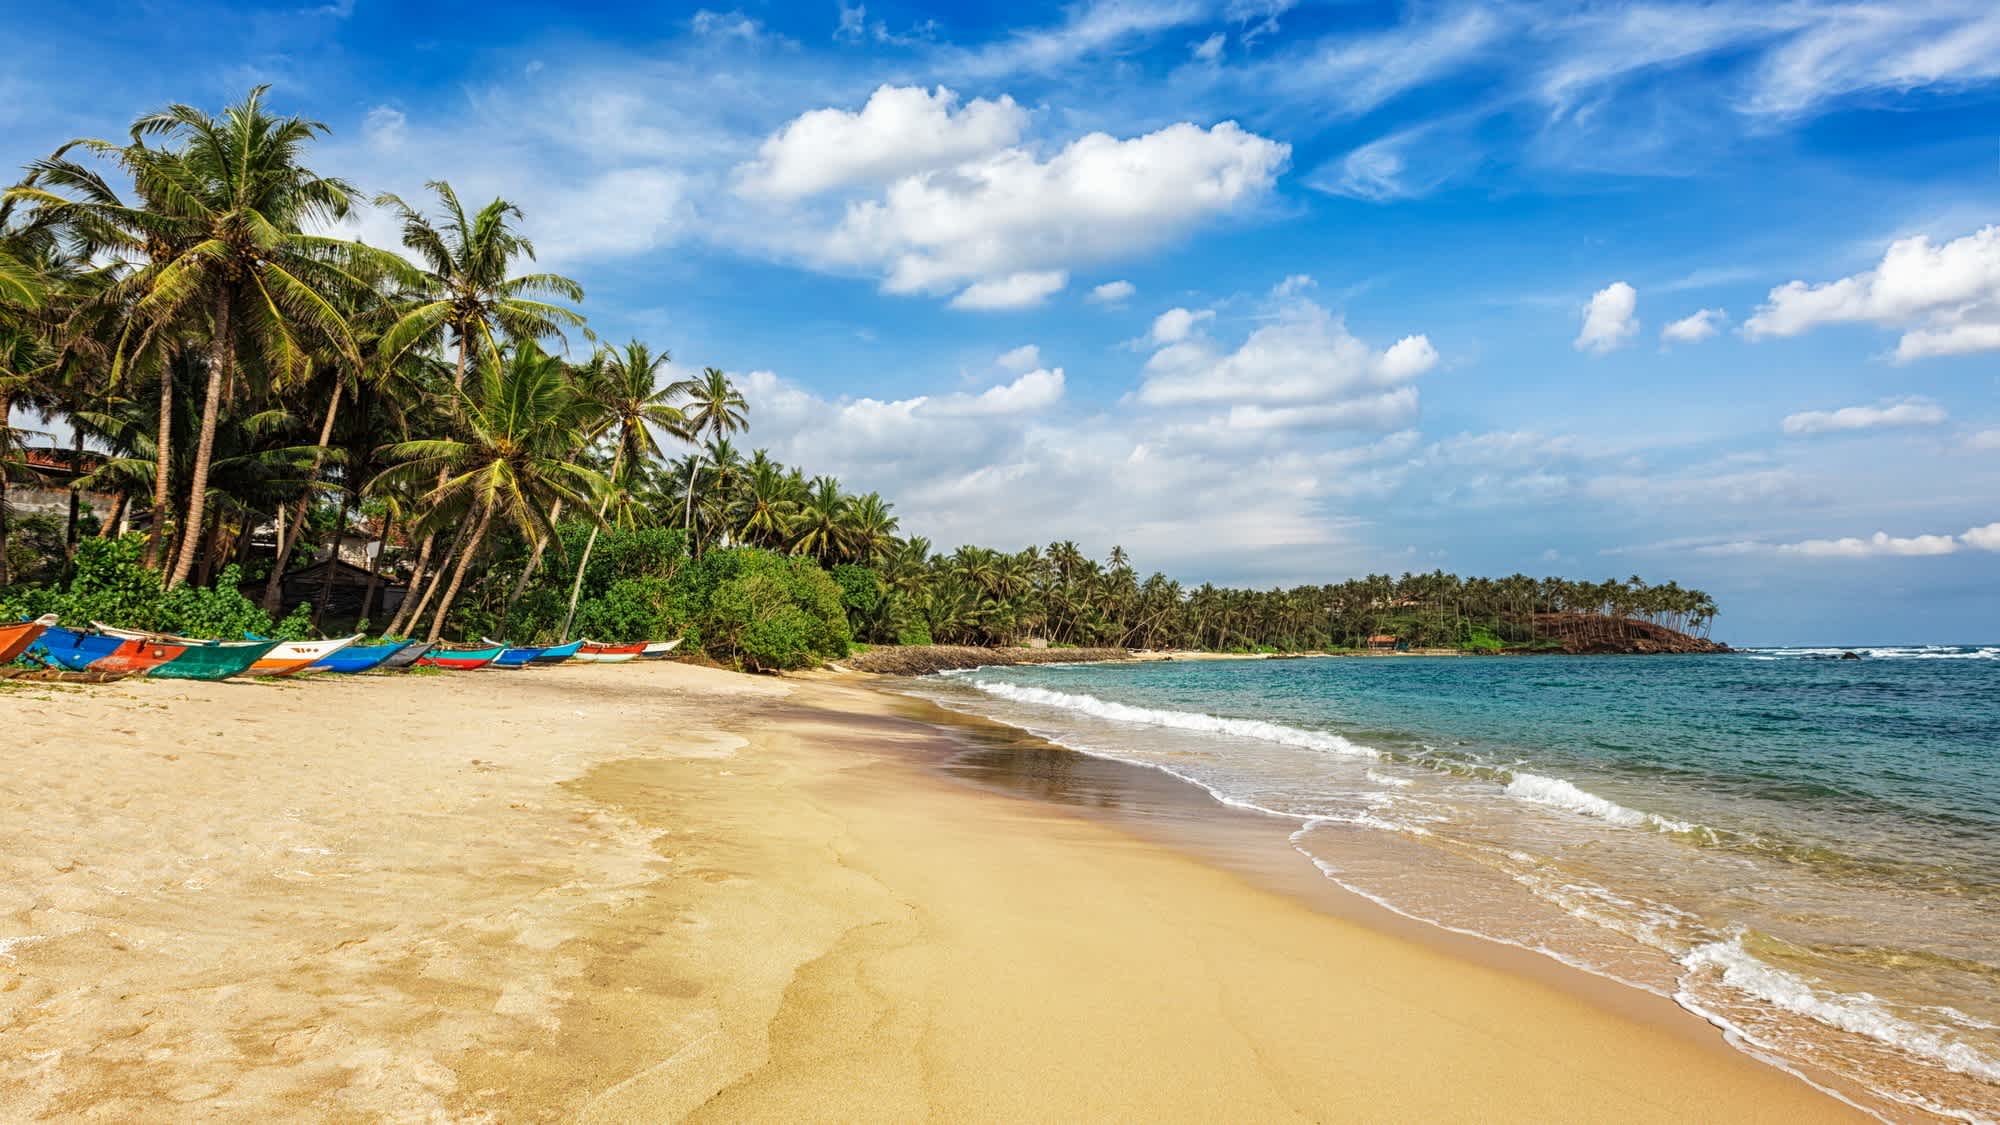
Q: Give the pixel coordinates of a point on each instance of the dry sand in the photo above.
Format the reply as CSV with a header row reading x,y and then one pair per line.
x,y
649,893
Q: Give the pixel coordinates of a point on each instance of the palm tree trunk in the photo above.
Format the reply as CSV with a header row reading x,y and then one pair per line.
x,y
332,562
687,521
211,409
437,575
576,587
416,582
534,564
113,522
298,523
375,570
75,493
458,572
163,447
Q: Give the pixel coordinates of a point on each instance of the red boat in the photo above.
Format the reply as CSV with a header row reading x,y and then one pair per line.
x,y
594,652
15,639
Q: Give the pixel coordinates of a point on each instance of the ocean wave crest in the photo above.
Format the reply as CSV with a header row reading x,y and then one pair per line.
x,y
1857,1013
1555,792
1258,729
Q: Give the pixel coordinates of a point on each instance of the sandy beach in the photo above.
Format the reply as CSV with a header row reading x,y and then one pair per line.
x,y
657,893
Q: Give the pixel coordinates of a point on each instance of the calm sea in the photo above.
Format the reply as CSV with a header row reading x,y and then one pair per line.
x,y
1802,849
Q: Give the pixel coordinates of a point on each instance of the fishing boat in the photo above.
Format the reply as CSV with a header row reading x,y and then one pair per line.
x,y
358,658
460,659
659,650
516,656
556,654
76,650
15,639
199,660
595,652
404,657
292,657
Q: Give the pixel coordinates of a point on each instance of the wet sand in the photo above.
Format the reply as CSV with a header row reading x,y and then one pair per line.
x,y
655,893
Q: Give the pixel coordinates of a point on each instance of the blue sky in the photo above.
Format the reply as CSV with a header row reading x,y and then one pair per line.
x,y
1266,292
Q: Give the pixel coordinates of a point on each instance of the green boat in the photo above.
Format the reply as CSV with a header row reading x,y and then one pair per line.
x,y
214,660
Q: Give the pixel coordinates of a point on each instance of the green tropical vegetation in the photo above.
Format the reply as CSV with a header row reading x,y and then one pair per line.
x,y
243,384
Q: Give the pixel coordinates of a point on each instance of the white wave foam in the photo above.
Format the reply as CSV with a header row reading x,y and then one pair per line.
x,y
1885,652
1178,720
1385,779
1858,1013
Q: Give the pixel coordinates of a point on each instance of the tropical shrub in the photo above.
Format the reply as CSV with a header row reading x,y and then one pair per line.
x,y
769,612
112,584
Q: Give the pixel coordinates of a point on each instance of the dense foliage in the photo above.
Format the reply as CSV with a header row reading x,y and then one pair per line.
x,y
243,387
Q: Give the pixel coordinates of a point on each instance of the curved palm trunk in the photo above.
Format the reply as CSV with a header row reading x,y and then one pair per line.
x,y
163,444
403,609
458,572
576,587
211,408
534,564
298,521
437,575
687,521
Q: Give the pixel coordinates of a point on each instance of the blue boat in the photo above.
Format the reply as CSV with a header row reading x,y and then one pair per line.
x,y
556,654
71,649
358,658
516,657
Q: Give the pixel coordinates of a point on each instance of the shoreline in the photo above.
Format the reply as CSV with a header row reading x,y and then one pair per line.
x,y
668,892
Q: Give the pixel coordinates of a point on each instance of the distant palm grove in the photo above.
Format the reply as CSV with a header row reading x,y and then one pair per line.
x,y
250,392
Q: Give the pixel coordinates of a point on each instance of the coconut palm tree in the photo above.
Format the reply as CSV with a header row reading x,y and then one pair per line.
x,y
625,392
716,408
219,231
510,456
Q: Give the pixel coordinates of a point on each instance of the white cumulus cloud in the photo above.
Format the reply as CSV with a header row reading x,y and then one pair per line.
x,y
1911,411
1693,328
1945,297
1176,324
1113,292
1015,291
1609,320
1985,538
1301,369
901,130
1027,357
1010,212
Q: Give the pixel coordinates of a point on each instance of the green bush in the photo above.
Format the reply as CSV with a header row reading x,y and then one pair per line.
x,y
113,585
768,612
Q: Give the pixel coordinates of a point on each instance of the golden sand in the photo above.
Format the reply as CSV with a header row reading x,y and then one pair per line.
x,y
655,892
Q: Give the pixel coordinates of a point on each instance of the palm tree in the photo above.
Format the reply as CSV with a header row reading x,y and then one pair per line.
x,y
821,528
714,406
221,229
769,501
630,404
464,291
510,456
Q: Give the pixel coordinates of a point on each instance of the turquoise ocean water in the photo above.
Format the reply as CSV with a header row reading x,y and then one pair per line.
x,y
1801,849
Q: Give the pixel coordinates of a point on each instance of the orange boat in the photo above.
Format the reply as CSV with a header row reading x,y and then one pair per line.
x,y
15,639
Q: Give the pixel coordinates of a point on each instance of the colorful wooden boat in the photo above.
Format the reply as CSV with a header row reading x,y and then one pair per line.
x,y
15,639
292,657
556,654
357,658
77,650
404,657
594,652
199,660
659,650
460,659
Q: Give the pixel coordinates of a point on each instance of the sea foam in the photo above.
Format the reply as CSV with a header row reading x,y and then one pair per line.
x,y
1557,793
1178,720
